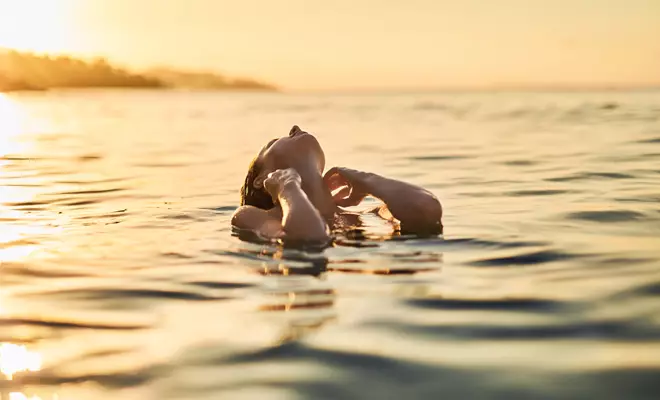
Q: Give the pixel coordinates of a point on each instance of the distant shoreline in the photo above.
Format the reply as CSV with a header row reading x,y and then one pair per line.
x,y
468,90
356,92
28,72
136,89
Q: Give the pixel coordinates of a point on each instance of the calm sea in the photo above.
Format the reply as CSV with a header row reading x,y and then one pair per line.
x,y
120,278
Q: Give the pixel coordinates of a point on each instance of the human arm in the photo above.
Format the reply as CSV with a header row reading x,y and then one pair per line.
x,y
416,209
295,219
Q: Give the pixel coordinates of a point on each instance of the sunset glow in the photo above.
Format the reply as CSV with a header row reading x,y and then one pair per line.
x,y
344,44
35,25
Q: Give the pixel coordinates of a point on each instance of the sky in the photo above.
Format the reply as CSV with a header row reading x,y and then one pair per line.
x,y
357,44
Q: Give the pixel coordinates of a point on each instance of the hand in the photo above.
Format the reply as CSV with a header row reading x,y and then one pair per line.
x,y
352,185
278,180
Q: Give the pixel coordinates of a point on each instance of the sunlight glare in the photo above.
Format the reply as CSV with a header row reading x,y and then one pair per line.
x,y
21,396
11,125
35,25
15,358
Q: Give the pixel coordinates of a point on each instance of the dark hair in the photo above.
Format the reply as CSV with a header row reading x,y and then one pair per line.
x,y
255,197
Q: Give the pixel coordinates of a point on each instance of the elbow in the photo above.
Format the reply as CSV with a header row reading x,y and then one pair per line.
x,y
426,218
431,209
238,219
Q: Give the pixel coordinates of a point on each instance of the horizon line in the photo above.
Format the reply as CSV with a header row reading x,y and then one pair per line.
x,y
540,87
487,87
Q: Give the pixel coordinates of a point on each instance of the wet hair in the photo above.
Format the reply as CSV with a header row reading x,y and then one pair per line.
x,y
255,197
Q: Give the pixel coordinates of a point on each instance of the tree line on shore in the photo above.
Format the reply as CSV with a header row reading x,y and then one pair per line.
x,y
21,71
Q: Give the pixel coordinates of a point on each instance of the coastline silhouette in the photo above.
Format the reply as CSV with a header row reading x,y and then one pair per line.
x,y
21,71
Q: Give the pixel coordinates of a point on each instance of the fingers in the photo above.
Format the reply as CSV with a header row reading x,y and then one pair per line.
x,y
342,194
341,171
330,172
276,180
348,197
336,182
288,173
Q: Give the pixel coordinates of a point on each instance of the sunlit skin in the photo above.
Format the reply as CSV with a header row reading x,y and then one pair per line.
x,y
308,203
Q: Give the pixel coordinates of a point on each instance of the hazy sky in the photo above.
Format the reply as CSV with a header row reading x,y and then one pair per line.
x,y
335,44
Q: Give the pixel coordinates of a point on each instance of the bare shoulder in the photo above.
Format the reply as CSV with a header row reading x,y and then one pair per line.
x,y
266,223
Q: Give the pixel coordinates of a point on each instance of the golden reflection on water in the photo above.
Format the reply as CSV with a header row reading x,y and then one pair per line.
x,y
16,358
13,245
21,396
12,121
15,147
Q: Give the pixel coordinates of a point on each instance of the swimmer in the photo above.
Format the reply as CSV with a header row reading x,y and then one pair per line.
x,y
286,196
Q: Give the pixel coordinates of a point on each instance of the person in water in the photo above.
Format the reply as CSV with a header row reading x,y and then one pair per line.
x,y
287,196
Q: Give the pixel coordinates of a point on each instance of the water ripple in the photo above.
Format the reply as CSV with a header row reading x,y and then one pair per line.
x,y
591,175
606,216
119,268
521,304
534,258
63,324
601,330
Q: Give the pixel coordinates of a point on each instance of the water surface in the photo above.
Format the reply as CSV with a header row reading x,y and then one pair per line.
x,y
120,278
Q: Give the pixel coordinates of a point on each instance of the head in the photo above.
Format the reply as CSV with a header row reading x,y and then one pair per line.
x,y
298,150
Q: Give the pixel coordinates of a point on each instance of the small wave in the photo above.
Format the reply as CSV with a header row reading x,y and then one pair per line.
x,y
591,175
9,269
606,216
650,155
76,203
609,106
221,209
115,380
495,244
652,140
90,182
429,105
219,285
572,114
526,304
11,157
546,192
520,163
539,257
645,290
21,204
96,191
89,157
18,242
109,214
61,324
172,254
296,350
162,165
381,271
438,158
182,217
602,330
125,295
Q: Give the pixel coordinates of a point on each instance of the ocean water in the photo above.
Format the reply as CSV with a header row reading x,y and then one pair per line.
x,y
120,277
